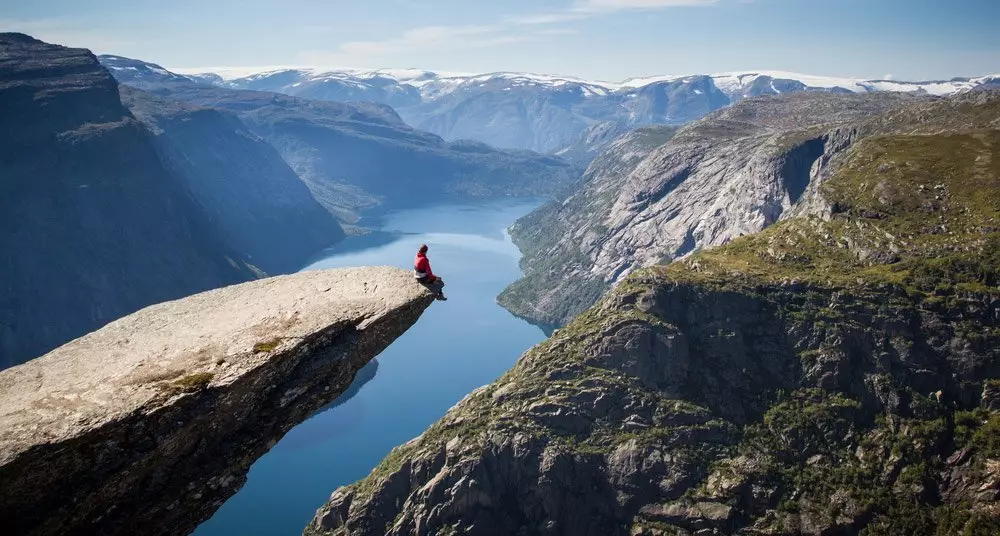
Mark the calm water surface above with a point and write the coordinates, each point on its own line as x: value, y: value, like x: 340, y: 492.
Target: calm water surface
x: 455, y: 347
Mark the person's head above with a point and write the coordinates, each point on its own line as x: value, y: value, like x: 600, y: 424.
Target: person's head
x: 423, y: 248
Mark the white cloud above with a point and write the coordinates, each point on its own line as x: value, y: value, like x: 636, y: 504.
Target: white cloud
x: 888, y: 76
x: 548, y: 18
x: 587, y: 6
x: 557, y: 31
x: 427, y: 39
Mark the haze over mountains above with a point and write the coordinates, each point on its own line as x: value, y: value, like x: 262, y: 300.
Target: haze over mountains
x: 357, y: 155
x: 549, y: 113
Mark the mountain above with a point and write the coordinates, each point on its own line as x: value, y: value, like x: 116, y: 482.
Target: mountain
x: 549, y: 113
x: 836, y: 373
x: 140, y: 74
x: 92, y: 225
x: 594, y: 141
x: 354, y: 156
x: 652, y: 196
x: 245, y: 189
x: 651, y: 199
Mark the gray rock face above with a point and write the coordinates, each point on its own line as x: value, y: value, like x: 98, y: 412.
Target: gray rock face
x: 92, y: 226
x: 150, y: 423
x: 651, y: 199
x: 593, y: 142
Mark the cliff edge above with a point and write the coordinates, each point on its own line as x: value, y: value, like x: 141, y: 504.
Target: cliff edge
x: 149, y: 424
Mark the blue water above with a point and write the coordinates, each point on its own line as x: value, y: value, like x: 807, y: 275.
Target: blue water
x: 455, y: 347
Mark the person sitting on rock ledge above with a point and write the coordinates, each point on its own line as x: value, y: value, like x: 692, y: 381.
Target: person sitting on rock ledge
x: 422, y: 271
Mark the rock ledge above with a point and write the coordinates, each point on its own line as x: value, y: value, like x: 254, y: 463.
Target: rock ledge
x: 147, y: 425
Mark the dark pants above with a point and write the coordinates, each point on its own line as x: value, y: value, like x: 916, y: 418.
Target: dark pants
x: 436, y: 286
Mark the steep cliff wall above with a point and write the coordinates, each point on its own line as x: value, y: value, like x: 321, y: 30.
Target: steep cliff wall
x: 149, y: 424
x: 92, y: 226
x: 829, y: 375
x: 733, y: 173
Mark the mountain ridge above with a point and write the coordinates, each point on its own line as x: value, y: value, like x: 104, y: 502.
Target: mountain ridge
x: 419, y: 78
x: 651, y: 198
x: 357, y: 155
x: 549, y: 113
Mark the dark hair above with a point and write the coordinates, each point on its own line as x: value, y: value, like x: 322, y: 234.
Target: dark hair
x: 423, y: 248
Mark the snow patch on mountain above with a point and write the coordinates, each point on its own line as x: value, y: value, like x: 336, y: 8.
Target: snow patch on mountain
x: 436, y: 84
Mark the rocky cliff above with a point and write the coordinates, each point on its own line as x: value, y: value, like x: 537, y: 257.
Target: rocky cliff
x: 147, y: 425
x: 594, y: 141
x: 730, y: 174
x: 833, y: 374
x: 92, y: 226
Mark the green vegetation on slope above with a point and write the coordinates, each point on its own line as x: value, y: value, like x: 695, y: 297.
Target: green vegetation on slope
x: 921, y: 212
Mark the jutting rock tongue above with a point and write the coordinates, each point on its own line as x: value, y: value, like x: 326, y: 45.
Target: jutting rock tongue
x: 149, y: 424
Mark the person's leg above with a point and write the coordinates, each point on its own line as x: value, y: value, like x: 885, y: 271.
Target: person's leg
x: 435, y: 287
x: 438, y: 288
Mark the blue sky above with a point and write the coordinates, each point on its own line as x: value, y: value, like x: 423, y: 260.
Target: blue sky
x: 598, y: 39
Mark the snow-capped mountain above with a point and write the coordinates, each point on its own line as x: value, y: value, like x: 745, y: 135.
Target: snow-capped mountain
x: 432, y: 85
x: 547, y: 113
x: 141, y: 72
x: 750, y: 83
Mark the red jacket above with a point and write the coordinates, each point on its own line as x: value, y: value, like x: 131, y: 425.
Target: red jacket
x: 422, y: 265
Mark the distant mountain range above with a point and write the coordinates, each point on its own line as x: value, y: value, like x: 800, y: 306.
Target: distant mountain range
x: 431, y: 85
x: 546, y: 113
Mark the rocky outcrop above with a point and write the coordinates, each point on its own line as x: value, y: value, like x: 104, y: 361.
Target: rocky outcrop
x: 92, y: 226
x: 833, y: 374
x: 147, y: 425
x: 728, y: 175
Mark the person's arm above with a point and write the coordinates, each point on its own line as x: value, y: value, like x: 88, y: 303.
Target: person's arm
x: 430, y: 274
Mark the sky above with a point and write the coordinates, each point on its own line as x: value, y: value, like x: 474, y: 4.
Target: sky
x: 594, y: 39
